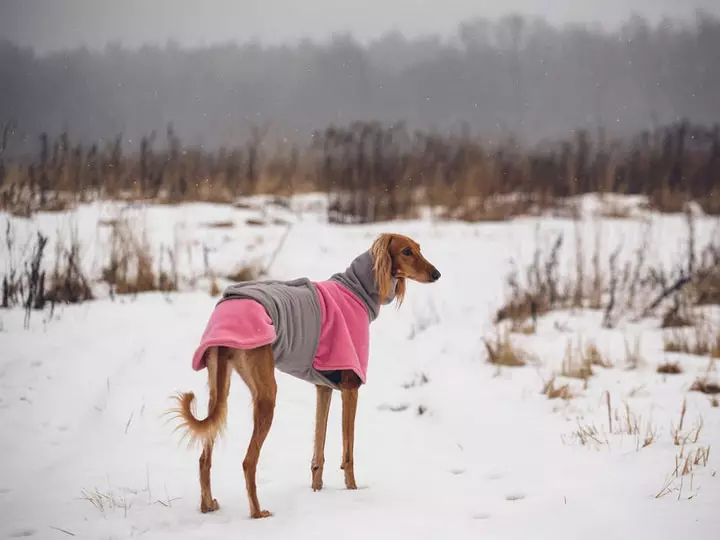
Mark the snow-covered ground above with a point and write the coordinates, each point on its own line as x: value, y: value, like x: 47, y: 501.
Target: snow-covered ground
x: 447, y: 445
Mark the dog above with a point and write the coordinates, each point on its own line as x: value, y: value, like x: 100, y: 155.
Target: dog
x: 316, y: 331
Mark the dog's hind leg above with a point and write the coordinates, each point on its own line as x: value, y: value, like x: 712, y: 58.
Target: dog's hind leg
x: 207, y: 503
x: 324, y: 395
x: 218, y: 382
x: 257, y: 368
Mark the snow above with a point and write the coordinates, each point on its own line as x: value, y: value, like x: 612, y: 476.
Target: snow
x: 86, y: 451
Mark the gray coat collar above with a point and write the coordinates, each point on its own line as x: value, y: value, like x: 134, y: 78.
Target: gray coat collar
x: 360, y: 279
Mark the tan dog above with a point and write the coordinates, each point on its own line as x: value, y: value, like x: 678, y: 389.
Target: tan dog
x: 395, y: 258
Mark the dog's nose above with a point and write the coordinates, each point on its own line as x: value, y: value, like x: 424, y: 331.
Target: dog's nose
x: 435, y: 275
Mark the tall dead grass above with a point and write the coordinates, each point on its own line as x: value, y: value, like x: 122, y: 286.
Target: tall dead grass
x: 132, y: 267
x: 635, y: 290
x: 27, y: 282
x: 374, y: 172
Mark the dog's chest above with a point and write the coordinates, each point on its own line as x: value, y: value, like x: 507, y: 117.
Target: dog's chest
x: 345, y: 331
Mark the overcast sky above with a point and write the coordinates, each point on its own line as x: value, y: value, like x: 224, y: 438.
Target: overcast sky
x: 55, y: 24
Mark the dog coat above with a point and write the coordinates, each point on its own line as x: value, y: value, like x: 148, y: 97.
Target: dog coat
x: 313, y: 327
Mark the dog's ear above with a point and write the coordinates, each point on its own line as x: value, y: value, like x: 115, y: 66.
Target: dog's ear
x: 383, y: 266
x: 400, y: 291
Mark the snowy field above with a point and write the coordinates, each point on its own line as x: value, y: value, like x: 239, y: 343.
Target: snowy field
x: 447, y: 445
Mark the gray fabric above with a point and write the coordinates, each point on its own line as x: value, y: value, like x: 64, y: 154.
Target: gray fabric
x: 296, y: 315
x: 295, y: 312
x: 359, y: 277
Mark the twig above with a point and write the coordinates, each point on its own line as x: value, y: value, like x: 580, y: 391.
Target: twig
x: 128, y: 422
x: 677, y: 286
x: 62, y: 530
x: 275, y: 253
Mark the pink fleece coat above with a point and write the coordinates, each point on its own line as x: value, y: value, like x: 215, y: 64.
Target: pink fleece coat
x: 344, y: 335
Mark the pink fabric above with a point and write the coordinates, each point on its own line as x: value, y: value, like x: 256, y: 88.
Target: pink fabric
x: 345, y: 333
x: 240, y: 323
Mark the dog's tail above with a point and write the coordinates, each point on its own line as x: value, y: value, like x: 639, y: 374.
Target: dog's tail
x: 219, y: 372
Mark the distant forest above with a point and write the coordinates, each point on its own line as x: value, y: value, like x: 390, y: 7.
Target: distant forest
x: 515, y: 76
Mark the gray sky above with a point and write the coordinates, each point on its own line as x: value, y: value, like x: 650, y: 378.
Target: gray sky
x: 55, y: 24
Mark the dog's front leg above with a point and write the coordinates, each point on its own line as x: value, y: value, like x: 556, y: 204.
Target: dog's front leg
x: 349, y: 406
x: 324, y: 394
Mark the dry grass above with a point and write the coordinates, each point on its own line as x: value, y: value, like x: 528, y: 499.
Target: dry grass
x: 494, y: 209
x: 707, y: 290
x: 226, y: 224
x: 502, y: 352
x: 613, y: 210
x: 633, y: 290
x: 576, y: 365
x: 670, y: 368
x: 29, y: 284
x: 527, y: 328
x: 468, y: 178
x: 677, y: 317
x: 633, y: 357
x: 557, y: 392
x: 248, y: 272
x: 131, y: 267
x: 253, y: 222
x: 686, y: 462
x: 68, y: 282
x: 588, y: 435
x: 214, y: 288
x: 700, y: 341
x: 709, y: 382
x: 705, y: 386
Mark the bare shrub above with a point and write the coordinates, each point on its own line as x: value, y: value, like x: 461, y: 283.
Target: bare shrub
x: 678, y: 315
x: 68, y: 282
x: 700, y: 341
x: 635, y: 290
x: 375, y: 172
x: 29, y: 287
x: 542, y: 292
x: 131, y: 266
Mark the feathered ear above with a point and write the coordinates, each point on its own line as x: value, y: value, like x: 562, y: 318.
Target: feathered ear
x: 382, y: 264
x: 400, y: 291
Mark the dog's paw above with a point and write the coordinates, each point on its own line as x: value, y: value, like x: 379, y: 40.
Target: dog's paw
x: 212, y: 507
x: 261, y: 514
x: 350, y: 483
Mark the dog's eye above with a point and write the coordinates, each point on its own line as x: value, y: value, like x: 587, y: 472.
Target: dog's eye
x: 407, y: 252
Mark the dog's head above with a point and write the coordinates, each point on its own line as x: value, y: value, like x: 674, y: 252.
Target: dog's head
x: 397, y: 258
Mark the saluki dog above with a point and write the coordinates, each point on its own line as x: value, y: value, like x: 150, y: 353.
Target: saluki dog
x: 316, y: 331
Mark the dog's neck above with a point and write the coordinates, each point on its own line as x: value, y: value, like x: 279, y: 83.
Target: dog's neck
x: 360, y: 279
